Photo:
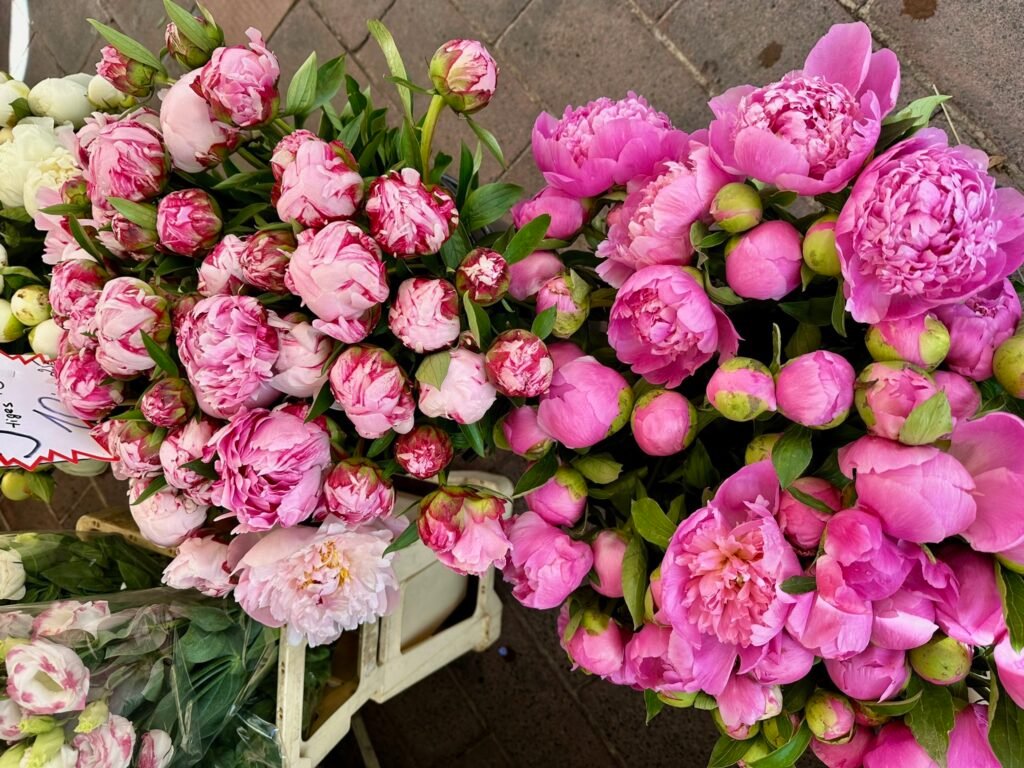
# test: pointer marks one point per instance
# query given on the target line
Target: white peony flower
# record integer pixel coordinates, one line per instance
(34, 140)
(62, 98)
(12, 575)
(9, 92)
(104, 96)
(49, 173)
(45, 339)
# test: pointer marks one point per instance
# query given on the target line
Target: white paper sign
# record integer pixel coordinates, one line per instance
(34, 427)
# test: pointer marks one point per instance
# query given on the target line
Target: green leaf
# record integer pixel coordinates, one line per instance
(324, 400)
(250, 180)
(928, 421)
(160, 356)
(1005, 726)
(698, 471)
(713, 239)
(21, 109)
(810, 501)
(653, 704)
(891, 708)
(544, 323)
(189, 26)
(393, 58)
(137, 213)
(475, 437)
(806, 338)
(479, 322)
(788, 753)
(486, 204)
(156, 485)
(728, 751)
(455, 248)
(434, 369)
(634, 579)
(792, 454)
(24, 272)
(776, 349)
(912, 118)
(932, 720)
(133, 415)
(839, 310)
(599, 468)
(537, 474)
(329, 79)
(526, 240)
(65, 209)
(812, 311)
(651, 522)
(17, 214)
(409, 85)
(405, 539)
(798, 585)
(488, 140)
(133, 49)
(199, 646)
(41, 485)
(302, 88)
(202, 468)
(1011, 591)
(378, 446)
(82, 238)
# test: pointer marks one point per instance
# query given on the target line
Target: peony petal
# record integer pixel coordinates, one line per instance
(843, 55)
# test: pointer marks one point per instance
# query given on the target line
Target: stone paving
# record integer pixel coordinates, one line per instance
(517, 704)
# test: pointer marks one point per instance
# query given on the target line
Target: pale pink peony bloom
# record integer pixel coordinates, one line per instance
(75, 288)
(597, 646)
(287, 148)
(195, 140)
(156, 749)
(483, 276)
(70, 620)
(188, 222)
(765, 262)
(523, 434)
(299, 369)
(663, 422)
(123, 158)
(609, 548)
(465, 74)
(519, 365)
(127, 308)
(465, 395)
(229, 349)
(167, 402)
(815, 389)
(465, 528)
(803, 525)
(201, 564)
(744, 701)
(264, 259)
(424, 315)
(221, 270)
(876, 674)
(603, 144)
(527, 275)
(319, 184)
(373, 391)
(566, 211)
(979, 325)
(887, 393)
(561, 499)
(356, 492)
(318, 582)
(44, 678)
(962, 393)
(136, 448)
(407, 219)
(167, 517)
(545, 565)
(240, 84)
(424, 451)
(183, 446)
(109, 745)
(587, 401)
(925, 226)
(83, 387)
(340, 276)
(270, 467)
(972, 614)
(811, 131)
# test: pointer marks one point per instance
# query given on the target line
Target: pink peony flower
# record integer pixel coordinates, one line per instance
(167, 402)
(264, 260)
(972, 614)
(925, 226)
(566, 211)
(183, 446)
(561, 499)
(741, 389)
(465, 528)
(339, 274)
(155, 750)
(229, 350)
(167, 517)
(109, 745)
(979, 325)
(75, 288)
(598, 644)
(221, 270)
(922, 340)
(876, 674)
(918, 492)
(424, 315)
(1010, 669)
(465, 395)
(318, 582)
(240, 84)
(587, 401)
(663, 422)
(654, 660)
(665, 327)
(765, 262)
(84, 388)
(483, 276)
(815, 389)
(406, 218)
(44, 678)
(127, 308)
(609, 548)
(373, 391)
(569, 294)
(195, 140)
(963, 395)
(126, 75)
(188, 222)
(424, 451)
(603, 144)
(527, 275)
(653, 225)
(356, 492)
(887, 393)
(123, 158)
(136, 446)
(968, 741)
(523, 434)
(811, 131)
(519, 365)
(848, 755)
(299, 369)
(744, 701)
(803, 525)
(270, 467)
(201, 564)
(465, 74)
(782, 661)
(545, 565)
(319, 184)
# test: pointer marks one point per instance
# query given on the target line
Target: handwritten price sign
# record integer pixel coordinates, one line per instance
(34, 427)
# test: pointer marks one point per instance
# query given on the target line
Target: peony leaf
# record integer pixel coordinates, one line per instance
(324, 400)
(788, 753)
(189, 26)
(839, 310)
(537, 474)
(600, 469)
(394, 61)
(1011, 591)
(133, 49)
(17, 214)
(653, 704)
(728, 751)
(912, 118)
(810, 501)
(434, 369)
(82, 238)
(806, 338)
(329, 79)
(160, 356)
(302, 88)
(544, 323)
(792, 454)
(634, 579)
(475, 437)
(21, 109)
(928, 421)
(202, 468)
(136, 213)
(932, 720)
(486, 204)
(798, 585)
(488, 140)
(23, 272)
(652, 523)
(812, 311)
(378, 446)
(891, 708)
(479, 322)
(405, 539)
(776, 349)
(1005, 726)
(41, 485)
(156, 485)
(527, 239)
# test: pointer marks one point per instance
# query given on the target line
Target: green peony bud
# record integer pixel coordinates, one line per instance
(819, 247)
(742, 389)
(830, 717)
(678, 699)
(760, 448)
(31, 304)
(11, 328)
(737, 207)
(1008, 365)
(942, 660)
(45, 339)
(14, 485)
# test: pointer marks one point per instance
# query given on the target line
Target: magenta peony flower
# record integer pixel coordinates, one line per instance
(876, 674)
(783, 660)
(356, 492)
(183, 446)
(195, 140)
(84, 388)
(972, 614)
(895, 745)
(229, 350)
(465, 395)
(657, 659)
(155, 748)
(240, 84)
(519, 365)
(424, 315)
(811, 131)
(609, 548)
(741, 389)
(978, 326)
(464, 74)
(569, 294)
(968, 741)
(545, 565)
(587, 401)
(221, 270)
(483, 276)
(373, 391)
(663, 422)
(317, 582)
(665, 327)
(188, 222)
(765, 262)
(127, 308)
(339, 274)
(887, 393)
(803, 525)
(406, 218)
(167, 402)
(847, 755)
(963, 395)
(167, 517)
(1010, 669)
(744, 701)
(264, 259)
(603, 144)
(523, 434)
(319, 184)
(424, 451)
(925, 226)
(918, 492)
(465, 528)
(123, 158)
(527, 275)
(561, 499)
(598, 644)
(299, 368)
(922, 340)
(566, 211)
(653, 225)
(201, 564)
(815, 389)
(75, 288)
(44, 678)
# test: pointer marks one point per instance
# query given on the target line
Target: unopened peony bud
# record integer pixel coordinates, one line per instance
(830, 717)
(406, 218)
(264, 259)
(742, 389)
(760, 448)
(133, 237)
(764, 263)
(819, 247)
(45, 339)
(75, 191)
(10, 91)
(519, 432)
(31, 304)
(562, 499)
(103, 95)
(737, 207)
(483, 276)
(465, 75)
(10, 327)
(62, 98)
(771, 730)
(757, 750)
(357, 492)
(887, 393)
(598, 644)
(186, 52)
(1007, 365)
(465, 528)
(168, 403)
(127, 75)
(240, 83)
(829, 376)
(663, 422)
(519, 364)
(424, 451)
(569, 294)
(922, 340)
(14, 485)
(188, 222)
(740, 732)
(609, 551)
(942, 660)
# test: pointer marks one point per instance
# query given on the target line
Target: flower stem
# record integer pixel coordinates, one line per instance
(250, 158)
(429, 123)
(282, 125)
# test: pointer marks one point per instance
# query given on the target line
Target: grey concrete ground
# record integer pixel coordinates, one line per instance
(518, 705)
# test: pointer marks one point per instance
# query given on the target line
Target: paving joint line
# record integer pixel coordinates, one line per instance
(518, 16)
(670, 46)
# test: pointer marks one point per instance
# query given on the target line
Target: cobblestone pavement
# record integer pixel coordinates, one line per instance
(517, 704)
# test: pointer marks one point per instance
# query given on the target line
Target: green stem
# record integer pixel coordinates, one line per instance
(427, 137)
(250, 158)
(282, 125)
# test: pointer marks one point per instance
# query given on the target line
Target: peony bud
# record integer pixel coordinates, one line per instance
(570, 295)
(134, 237)
(663, 422)
(464, 74)
(562, 499)
(519, 364)
(801, 524)
(357, 492)
(609, 548)
(527, 275)
(168, 403)
(10, 327)
(742, 389)
(465, 527)
(816, 389)
(105, 97)
(424, 451)
(522, 434)
(922, 340)
(942, 660)
(1007, 364)
(62, 98)
(737, 207)
(597, 645)
(264, 259)
(11, 91)
(764, 263)
(830, 717)
(567, 215)
(30, 305)
(760, 448)
(887, 393)
(819, 247)
(963, 394)
(465, 395)
(483, 276)
(240, 83)
(188, 222)
(586, 403)
(127, 75)
(406, 218)
(14, 485)
(425, 314)
(45, 339)
(186, 52)
(739, 732)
